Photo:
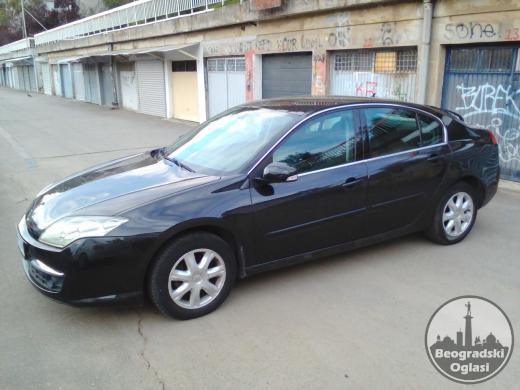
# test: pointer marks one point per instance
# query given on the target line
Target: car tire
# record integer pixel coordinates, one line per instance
(180, 277)
(458, 205)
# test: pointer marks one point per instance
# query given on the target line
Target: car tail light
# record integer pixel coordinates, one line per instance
(492, 137)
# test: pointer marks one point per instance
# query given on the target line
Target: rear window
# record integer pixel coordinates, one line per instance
(431, 130)
(391, 130)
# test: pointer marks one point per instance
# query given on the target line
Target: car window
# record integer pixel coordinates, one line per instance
(431, 130)
(324, 142)
(391, 130)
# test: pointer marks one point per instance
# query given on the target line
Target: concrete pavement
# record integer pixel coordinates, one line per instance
(353, 321)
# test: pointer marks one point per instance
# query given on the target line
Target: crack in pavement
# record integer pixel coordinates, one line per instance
(143, 350)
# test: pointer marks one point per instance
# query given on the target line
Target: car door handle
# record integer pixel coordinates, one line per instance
(351, 182)
(434, 157)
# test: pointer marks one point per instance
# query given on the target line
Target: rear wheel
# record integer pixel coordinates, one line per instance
(192, 275)
(454, 216)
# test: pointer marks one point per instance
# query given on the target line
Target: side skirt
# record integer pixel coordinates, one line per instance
(329, 251)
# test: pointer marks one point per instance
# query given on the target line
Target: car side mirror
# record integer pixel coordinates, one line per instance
(279, 172)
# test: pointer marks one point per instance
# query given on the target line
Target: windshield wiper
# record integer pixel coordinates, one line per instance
(180, 164)
(161, 152)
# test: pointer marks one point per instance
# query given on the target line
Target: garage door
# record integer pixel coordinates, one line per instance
(91, 76)
(66, 80)
(226, 83)
(107, 85)
(151, 87)
(386, 74)
(286, 75)
(26, 78)
(79, 81)
(483, 85)
(128, 83)
(46, 78)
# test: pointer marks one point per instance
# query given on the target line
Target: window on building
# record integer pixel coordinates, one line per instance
(354, 61)
(391, 130)
(464, 59)
(229, 64)
(385, 62)
(379, 61)
(184, 66)
(496, 59)
(406, 60)
(324, 142)
(431, 130)
(489, 59)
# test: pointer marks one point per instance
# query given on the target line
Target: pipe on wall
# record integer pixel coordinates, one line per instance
(425, 50)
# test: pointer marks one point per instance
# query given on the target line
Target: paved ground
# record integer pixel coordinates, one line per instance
(355, 321)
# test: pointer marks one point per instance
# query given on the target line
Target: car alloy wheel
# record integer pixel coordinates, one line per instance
(196, 278)
(458, 214)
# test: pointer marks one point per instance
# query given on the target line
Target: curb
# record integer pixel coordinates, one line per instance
(509, 185)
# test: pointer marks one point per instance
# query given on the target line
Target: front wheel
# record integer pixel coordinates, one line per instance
(192, 275)
(454, 216)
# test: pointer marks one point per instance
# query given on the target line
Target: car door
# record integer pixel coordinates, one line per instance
(407, 161)
(324, 206)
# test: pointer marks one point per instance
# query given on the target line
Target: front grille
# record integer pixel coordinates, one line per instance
(48, 281)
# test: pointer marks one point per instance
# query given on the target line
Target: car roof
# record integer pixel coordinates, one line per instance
(311, 104)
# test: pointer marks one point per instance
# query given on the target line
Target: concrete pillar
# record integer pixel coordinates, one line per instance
(425, 51)
(201, 85)
(257, 77)
(320, 65)
(168, 87)
(250, 87)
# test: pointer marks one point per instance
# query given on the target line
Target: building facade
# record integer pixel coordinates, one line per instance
(194, 62)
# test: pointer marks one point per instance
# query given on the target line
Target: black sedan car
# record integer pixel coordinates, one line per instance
(263, 185)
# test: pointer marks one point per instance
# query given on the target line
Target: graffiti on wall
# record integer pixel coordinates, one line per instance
(337, 38)
(471, 30)
(366, 88)
(488, 98)
(499, 103)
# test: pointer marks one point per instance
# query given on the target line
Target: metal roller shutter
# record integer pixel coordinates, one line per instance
(286, 75)
(151, 87)
(32, 79)
(17, 76)
(128, 83)
(384, 73)
(46, 78)
(79, 81)
(23, 74)
(107, 85)
(57, 80)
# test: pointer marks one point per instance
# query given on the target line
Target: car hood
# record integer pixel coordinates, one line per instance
(110, 188)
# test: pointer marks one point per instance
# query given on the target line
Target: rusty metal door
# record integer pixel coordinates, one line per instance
(482, 83)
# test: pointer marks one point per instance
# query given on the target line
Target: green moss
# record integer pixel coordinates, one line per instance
(226, 2)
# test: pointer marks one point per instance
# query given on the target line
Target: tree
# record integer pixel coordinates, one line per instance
(115, 3)
(64, 11)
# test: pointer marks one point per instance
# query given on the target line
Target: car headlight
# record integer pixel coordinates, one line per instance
(66, 230)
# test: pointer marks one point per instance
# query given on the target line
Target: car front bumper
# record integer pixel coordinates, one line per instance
(90, 271)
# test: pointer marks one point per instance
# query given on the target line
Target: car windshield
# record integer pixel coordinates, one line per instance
(228, 143)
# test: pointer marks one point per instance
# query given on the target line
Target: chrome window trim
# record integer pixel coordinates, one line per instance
(354, 105)
(373, 159)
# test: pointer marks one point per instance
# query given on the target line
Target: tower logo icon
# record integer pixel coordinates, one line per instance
(469, 339)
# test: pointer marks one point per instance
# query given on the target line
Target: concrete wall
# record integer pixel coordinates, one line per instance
(320, 27)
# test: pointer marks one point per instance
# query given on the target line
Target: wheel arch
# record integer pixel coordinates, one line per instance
(477, 185)
(212, 226)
